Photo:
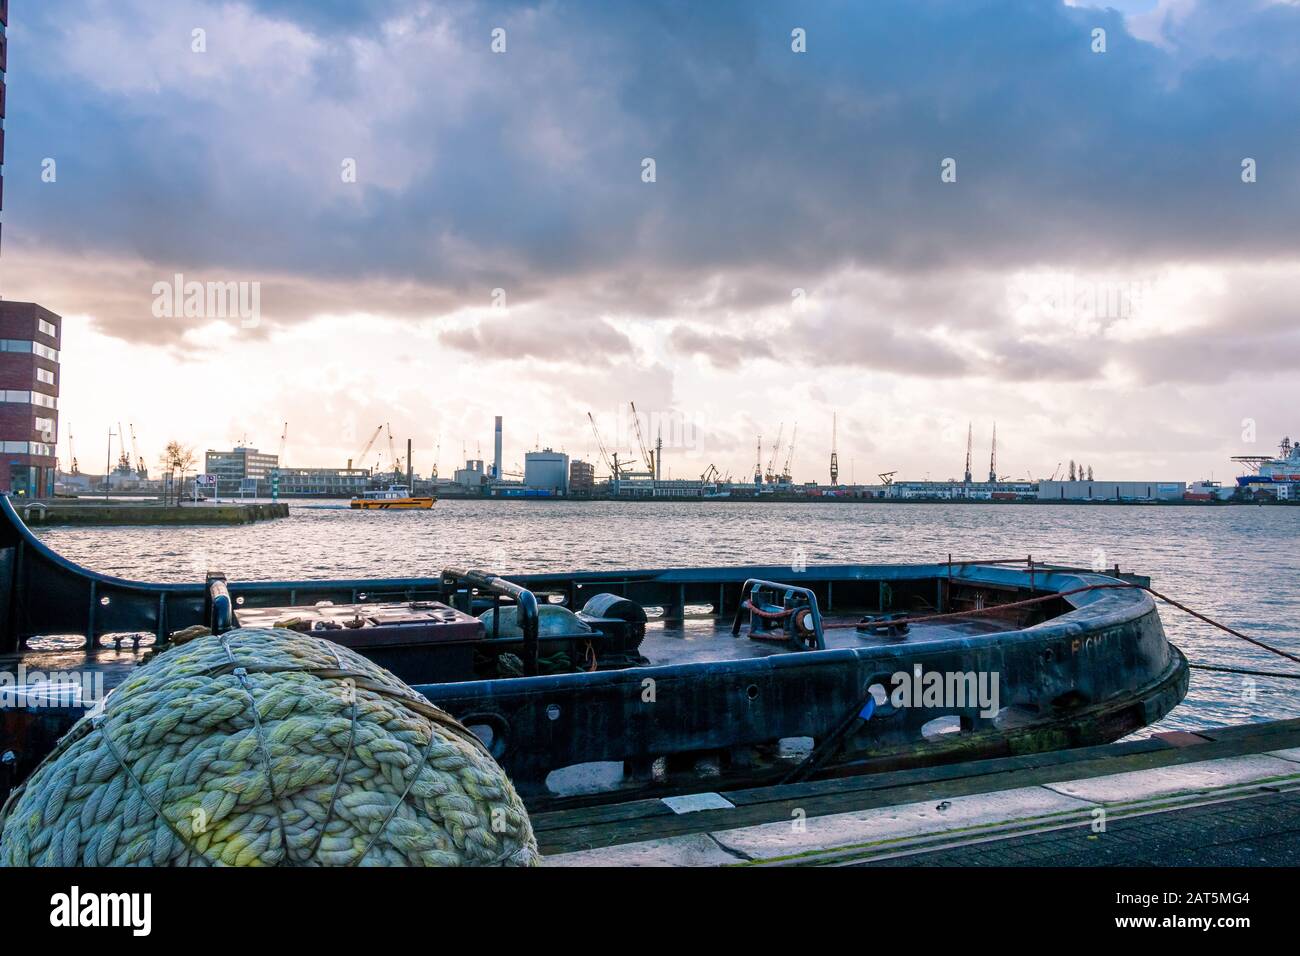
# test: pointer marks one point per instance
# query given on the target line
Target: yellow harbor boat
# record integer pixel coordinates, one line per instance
(394, 498)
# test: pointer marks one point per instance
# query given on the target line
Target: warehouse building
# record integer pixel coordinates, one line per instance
(472, 476)
(1111, 490)
(962, 490)
(547, 470)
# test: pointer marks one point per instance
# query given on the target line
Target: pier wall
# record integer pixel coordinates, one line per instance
(59, 513)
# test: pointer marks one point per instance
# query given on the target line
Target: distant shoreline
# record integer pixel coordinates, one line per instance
(764, 499)
(848, 500)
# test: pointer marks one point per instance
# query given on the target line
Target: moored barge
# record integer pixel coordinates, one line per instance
(742, 676)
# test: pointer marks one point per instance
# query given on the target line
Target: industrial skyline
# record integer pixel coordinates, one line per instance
(384, 453)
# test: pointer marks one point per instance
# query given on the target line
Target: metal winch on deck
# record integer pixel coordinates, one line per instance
(781, 612)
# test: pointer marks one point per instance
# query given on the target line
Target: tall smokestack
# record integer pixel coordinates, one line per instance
(496, 460)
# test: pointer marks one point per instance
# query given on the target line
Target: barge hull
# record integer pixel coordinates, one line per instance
(1088, 666)
(1066, 685)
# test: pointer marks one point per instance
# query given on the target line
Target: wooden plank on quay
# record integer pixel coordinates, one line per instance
(846, 785)
(586, 815)
(570, 830)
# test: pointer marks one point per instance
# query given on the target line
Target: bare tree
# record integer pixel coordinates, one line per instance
(166, 475)
(177, 460)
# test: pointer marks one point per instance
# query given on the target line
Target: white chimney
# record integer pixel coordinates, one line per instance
(496, 461)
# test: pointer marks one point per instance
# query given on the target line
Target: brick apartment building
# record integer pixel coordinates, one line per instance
(29, 398)
(4, 65)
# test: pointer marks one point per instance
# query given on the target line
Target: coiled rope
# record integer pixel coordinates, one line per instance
(265, 748)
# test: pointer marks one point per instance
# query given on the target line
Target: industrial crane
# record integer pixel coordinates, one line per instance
(72, 455)
(284, 439)
(141, 469)
(646, 454)
(835, 455)
(776, 450)
(993, 456)
(785, 472)
(711, 474)
(124, 466)
(970, 436)
(610, 463)
(392, 455)
(365, 449)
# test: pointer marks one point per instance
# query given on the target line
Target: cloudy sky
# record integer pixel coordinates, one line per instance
(1093, 273)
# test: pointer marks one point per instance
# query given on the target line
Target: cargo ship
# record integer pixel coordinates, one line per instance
(1282, 471)
(666, 676)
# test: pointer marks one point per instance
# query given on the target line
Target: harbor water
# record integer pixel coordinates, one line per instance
(1239, 565)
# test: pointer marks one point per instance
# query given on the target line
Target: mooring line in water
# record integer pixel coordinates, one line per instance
(1242, 670)
(1207, 620)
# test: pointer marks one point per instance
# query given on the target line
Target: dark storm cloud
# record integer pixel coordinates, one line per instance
(583, 340)
(522, 170)
(850, 340)
(1218, 354)
(723, 350)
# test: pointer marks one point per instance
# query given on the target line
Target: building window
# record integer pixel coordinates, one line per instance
(10, 397)
(47, 328)
(44, 376)
(46, 427)
(23, 345)
(27, 448)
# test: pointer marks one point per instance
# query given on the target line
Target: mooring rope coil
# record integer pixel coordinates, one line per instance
(767, 615)
(266, 747)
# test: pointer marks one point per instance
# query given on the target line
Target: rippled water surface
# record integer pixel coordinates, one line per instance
(1240, 565)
